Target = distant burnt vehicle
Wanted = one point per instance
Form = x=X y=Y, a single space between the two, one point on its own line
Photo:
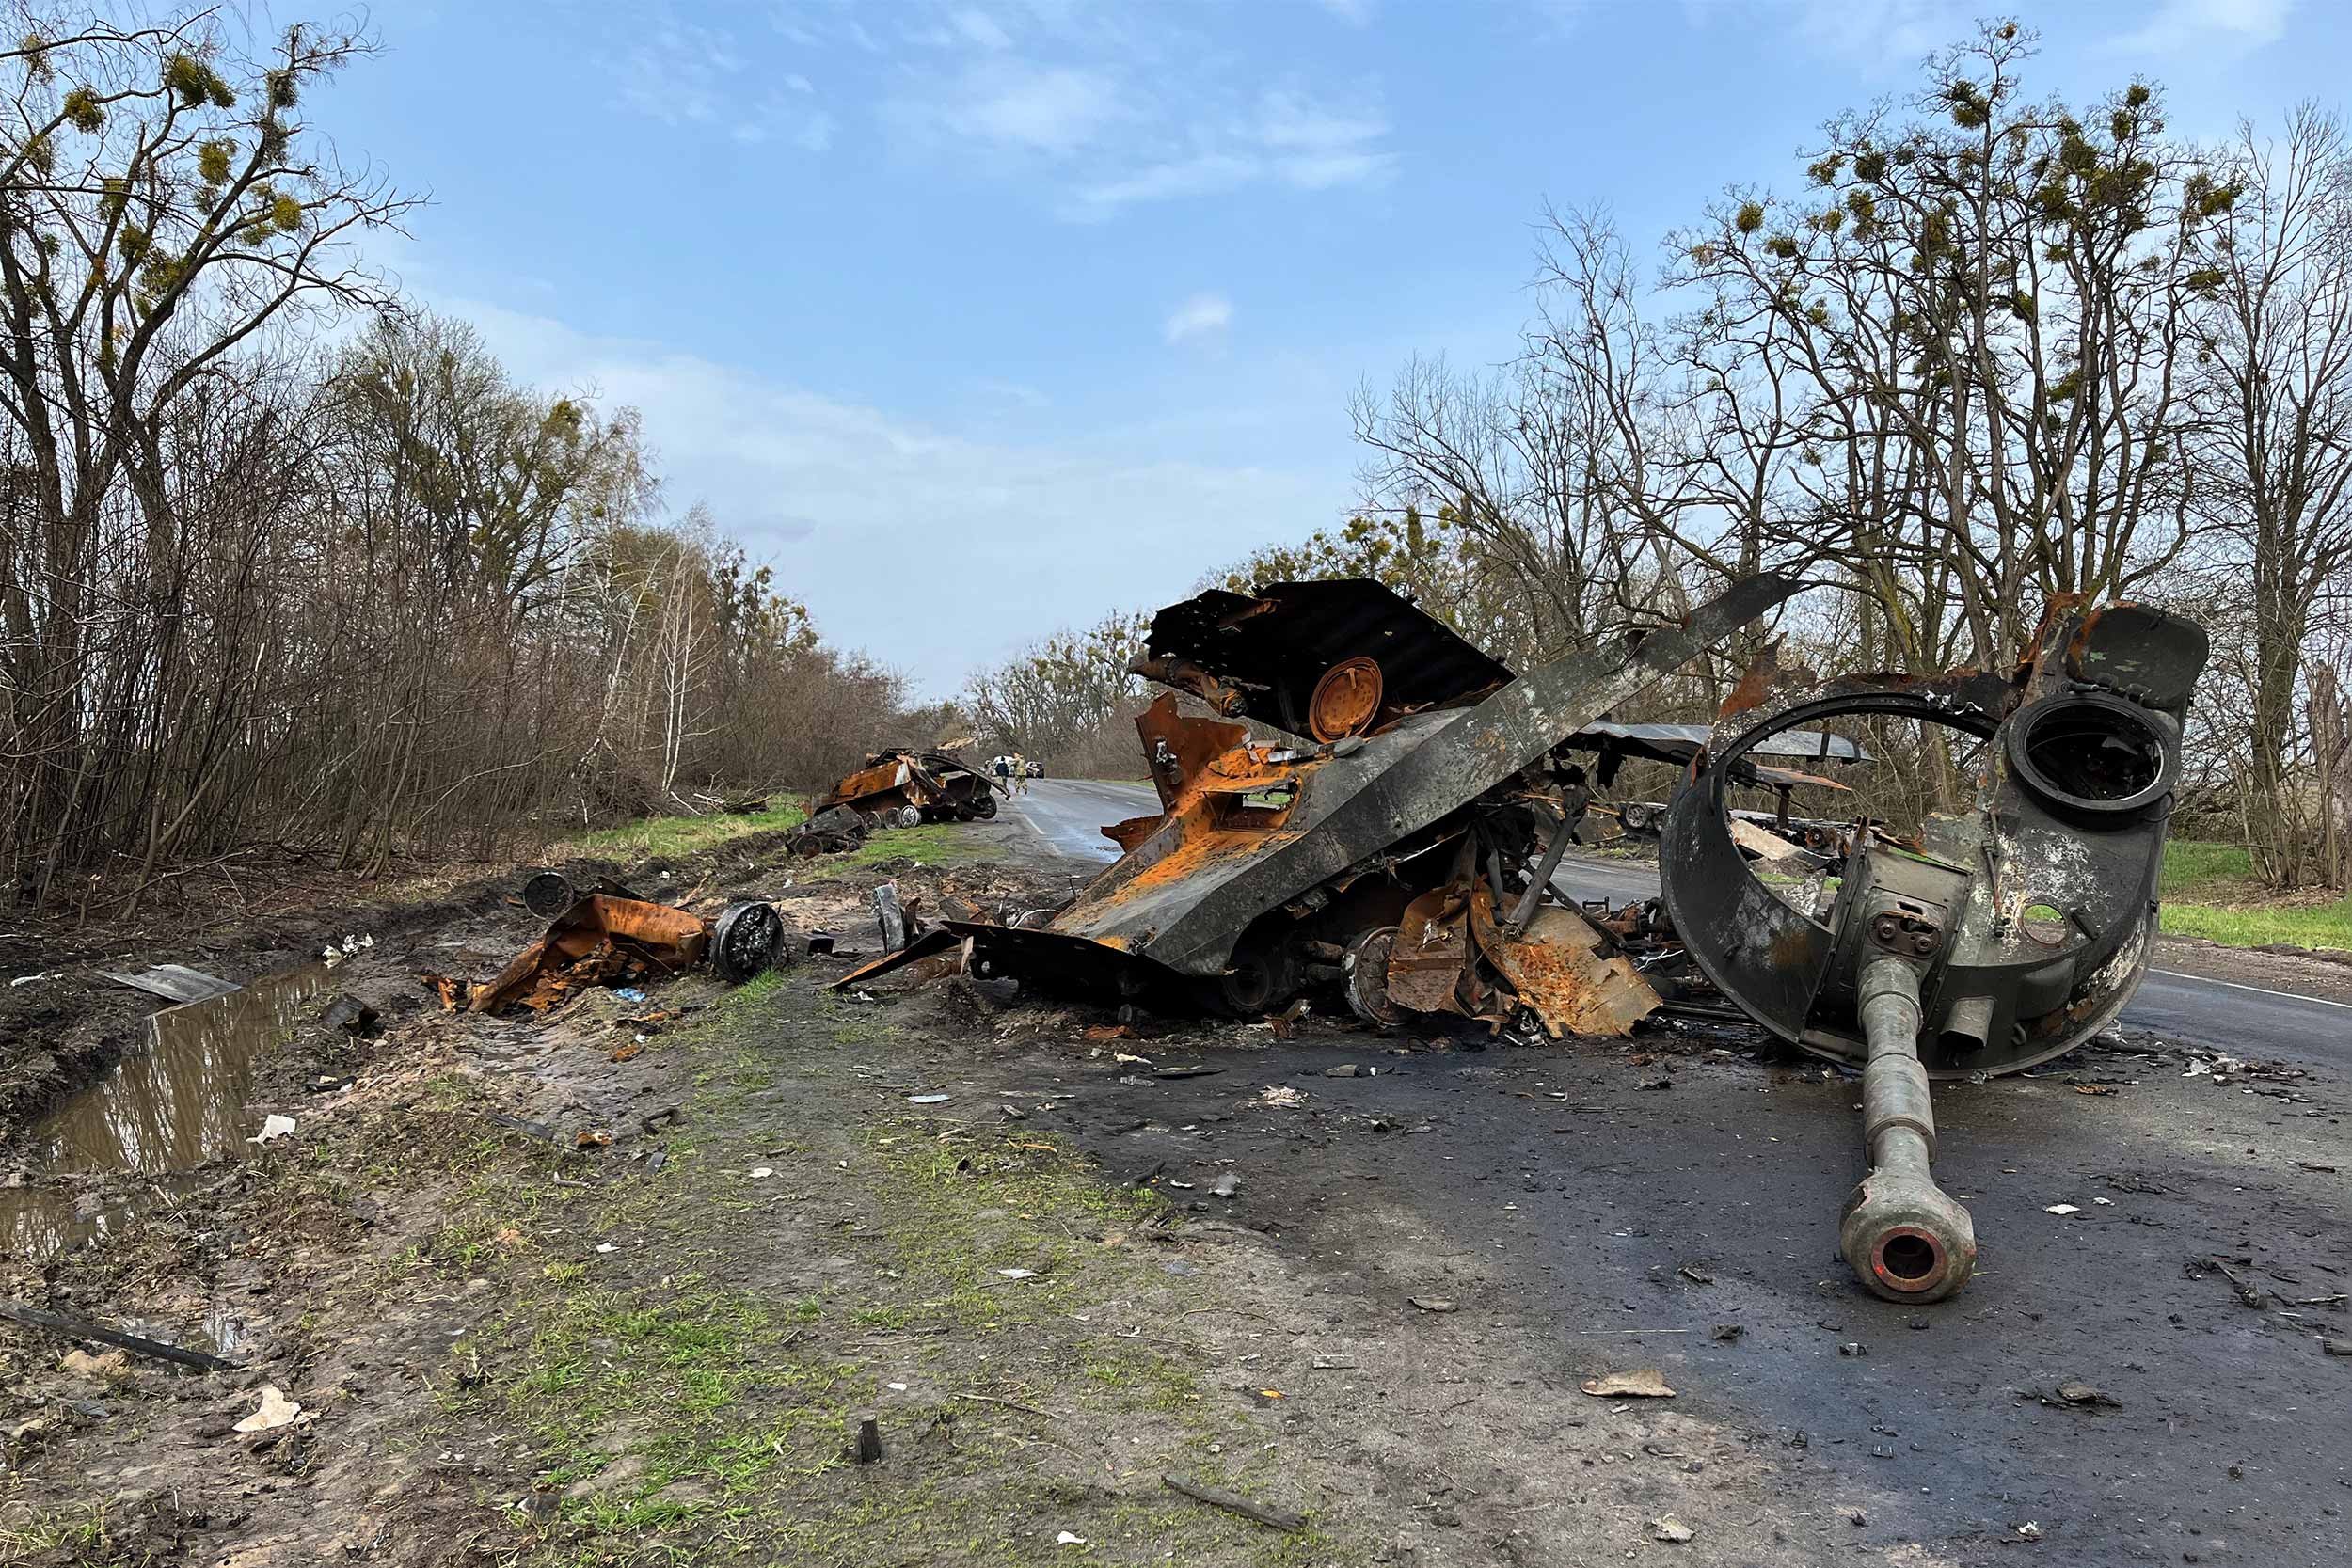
x=907 y=787
x=1403 y=857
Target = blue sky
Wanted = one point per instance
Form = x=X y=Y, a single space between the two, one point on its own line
x=982 y=317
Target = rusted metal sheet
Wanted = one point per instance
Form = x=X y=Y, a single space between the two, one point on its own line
x=1558 y=968
x=599 y=939
x=1432 y=950
x=607 y=939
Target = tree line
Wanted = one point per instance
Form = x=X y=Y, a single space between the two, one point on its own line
x=289 y=564
x=1983 y=350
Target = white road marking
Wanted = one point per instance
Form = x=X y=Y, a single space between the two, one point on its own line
x=1030 y=822
x=2258 y=990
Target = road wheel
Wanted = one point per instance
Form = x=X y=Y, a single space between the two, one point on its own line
x=985 y=807
x=745 y=939
x=1367 y=984
x=1261 y=978
x=908 y=817
x=547 y=894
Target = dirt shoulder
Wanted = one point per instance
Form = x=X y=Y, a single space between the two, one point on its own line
x=2295 y=973
x=617 y=1285
x=620 y=1286
x=511 y=1339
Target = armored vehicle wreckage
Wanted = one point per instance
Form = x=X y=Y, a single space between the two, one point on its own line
x=905 y=787
x=1398 y=847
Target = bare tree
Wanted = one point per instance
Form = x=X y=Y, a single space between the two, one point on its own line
x=2276 y=350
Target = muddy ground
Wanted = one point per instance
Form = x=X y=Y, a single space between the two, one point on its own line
x=508 y=1347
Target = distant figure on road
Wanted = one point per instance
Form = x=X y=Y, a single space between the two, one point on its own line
x=1020 y=775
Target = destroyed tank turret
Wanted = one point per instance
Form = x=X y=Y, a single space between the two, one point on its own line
x=1395 y=840
x=1997 y=939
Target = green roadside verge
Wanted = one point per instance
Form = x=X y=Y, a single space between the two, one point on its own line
x=2209 y=890
x=680 y=1356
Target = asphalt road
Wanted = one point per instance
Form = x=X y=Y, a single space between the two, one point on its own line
x=1583 y=1223
x=1068 y=815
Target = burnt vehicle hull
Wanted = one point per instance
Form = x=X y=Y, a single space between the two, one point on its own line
x=1404 y=842
x=1403 y=860
x=908 y=788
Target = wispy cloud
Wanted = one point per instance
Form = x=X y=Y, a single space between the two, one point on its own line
x=1287 y=139
x=1006 y=103
x=682 y=75
x=1199 y=316
x=1884 y=36
x=677 y=72
x=862 y=481
x=1355 y=12
x=1108 y=108
x=2180 y=24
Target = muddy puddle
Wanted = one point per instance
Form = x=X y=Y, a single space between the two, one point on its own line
x=162 y=1112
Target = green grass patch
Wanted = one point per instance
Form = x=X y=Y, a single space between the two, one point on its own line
x=2209 y=890
x=933 y=843
x=2305 y=926
x=689 y=1399
x=658 y=836
x=2195 y=870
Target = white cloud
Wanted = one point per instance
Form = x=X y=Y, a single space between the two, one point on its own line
x=2183 y=24
x=1877 y=35
x=1287 y=138
x=1111 y=107
x=1011 y=537
x=1008 y=104
x=685 y=75
x=1199 y=315
x=677 y=72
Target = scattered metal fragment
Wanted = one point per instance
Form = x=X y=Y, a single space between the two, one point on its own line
x=827 y=833
x=548 y=894
x=172 y=982
x=2083 y=1396
x=610 y=938
x=1644 y=1383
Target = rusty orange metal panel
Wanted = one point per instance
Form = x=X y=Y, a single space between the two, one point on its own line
x=1556 y=968
x=1181 y=748
x=584 y=946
